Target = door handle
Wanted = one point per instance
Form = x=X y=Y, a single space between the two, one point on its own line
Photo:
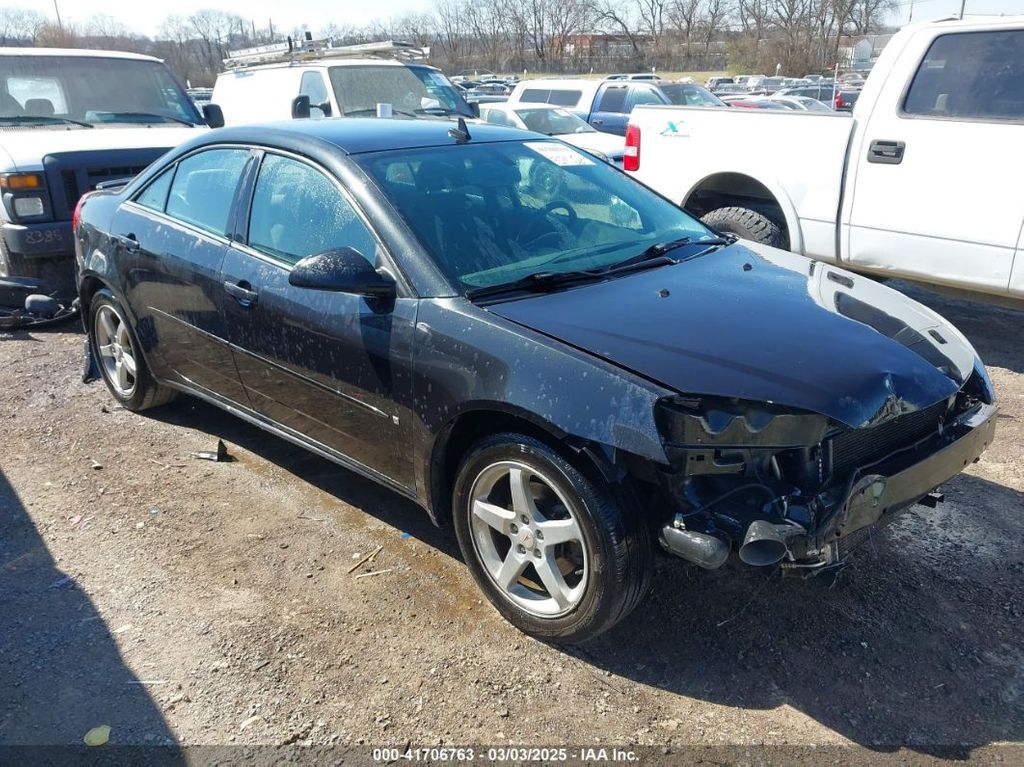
x=130 y=242
x=241 y=292
x=597 y=122
x=886 y=152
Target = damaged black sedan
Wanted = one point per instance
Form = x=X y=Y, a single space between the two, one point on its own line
x=537 y=349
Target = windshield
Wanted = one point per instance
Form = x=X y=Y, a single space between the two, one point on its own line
x=493 y=213
x=553 y=122
x=690 y=96
x=93 y=90
x=409 y=89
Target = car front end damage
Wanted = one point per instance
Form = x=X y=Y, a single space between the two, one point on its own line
x=779 y=486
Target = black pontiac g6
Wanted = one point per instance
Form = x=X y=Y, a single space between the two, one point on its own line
x=537 y=349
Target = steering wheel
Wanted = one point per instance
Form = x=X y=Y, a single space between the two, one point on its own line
x=563 y=205
x=555 y=236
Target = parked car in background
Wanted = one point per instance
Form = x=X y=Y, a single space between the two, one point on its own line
x=892 y=192
x=73 y=119
x=278 y=83
x=753 y=102
x=559 y=373
x=800 y=103
x=765 y=86
x=635 y=76
x=558 y=122
x=813 y=78
x=713 y=83
x=846 y=99
x=823 y=91
x=606 y=104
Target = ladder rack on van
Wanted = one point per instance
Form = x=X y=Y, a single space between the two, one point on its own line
x=306 y=50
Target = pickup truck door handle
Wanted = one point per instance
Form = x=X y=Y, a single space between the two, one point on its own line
x=886 y=152
x=597 y=122
x=241 y=292
x=130 y=242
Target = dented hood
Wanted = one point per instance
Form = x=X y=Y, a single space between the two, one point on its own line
x=760 y=324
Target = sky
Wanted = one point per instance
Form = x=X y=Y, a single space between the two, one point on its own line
x=145 y=15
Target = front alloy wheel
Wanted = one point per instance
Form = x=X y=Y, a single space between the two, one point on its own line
x=116 y=354
x=561 y=554
x=528 y=539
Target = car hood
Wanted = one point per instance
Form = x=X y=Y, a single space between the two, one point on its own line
x=760 y=324
x=26 y=146
x=605 y=143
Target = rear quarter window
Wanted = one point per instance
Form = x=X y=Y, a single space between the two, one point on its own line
x=970 y=76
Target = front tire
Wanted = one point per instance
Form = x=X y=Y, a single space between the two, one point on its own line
x=748 y=224
x=557 y=552
x=119 y=356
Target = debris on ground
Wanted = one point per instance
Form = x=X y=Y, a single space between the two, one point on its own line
x=97 y=736
x=374 y=572
x=368 y=558
x=220 y=456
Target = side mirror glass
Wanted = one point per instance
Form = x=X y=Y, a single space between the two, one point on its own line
x=213 y=115
x=344 y=270
x=300 y=107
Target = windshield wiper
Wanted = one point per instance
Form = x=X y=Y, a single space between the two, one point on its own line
x=373 y=111
x=152 y=114
x=537 y=282
x=45 y=120
x=660 y=249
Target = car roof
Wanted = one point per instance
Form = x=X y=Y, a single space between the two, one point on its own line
x=81 y=52
x=358 y=135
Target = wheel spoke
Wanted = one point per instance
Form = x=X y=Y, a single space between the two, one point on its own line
x=510 y=570
x=122 y=335
x=553 y=580
x=108 y=326
x=129 y=363
x=495 y=516
x=122 y=376
x=522 y=495
x=559 y=531
x=107 y=350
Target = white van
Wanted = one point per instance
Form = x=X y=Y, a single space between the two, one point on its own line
x=278 y=82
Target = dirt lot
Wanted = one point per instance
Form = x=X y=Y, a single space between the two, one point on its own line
x=181 y=601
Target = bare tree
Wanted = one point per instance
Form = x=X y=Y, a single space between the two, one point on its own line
x=19 y=25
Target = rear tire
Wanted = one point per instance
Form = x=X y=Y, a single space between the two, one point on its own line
x=119 y=356
x=747 y=224
x=564 y=561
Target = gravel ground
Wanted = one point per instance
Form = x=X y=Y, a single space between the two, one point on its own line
x=186 y=602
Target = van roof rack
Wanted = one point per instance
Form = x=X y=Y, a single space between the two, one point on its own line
x=309 y=49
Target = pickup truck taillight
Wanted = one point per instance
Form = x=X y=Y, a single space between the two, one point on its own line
x=631 y=157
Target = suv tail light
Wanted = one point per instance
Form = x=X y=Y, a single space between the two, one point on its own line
x=631 y=157
x=839 y=100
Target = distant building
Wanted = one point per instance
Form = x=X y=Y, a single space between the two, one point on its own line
x=598 y=44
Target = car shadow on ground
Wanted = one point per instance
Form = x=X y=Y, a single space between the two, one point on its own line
x=62 y=673
x=916 y=642
x=347 y=486
x=907 y=644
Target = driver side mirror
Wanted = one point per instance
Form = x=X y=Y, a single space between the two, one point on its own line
x=213 y=115
x=344 y=270
x=300 y=107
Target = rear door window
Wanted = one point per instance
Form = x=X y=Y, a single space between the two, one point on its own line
x=564 y=98
x=970 y=76
x=204 y=188
x=297 y=211
x=613 y=99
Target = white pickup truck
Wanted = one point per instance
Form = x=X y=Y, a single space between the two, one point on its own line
x=69 y=120
x=923 y=183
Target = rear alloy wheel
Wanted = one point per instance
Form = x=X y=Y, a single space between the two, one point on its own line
x=551 y=548
x=117 y=353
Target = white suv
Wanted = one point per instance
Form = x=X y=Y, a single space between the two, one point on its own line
x=72 y=119
x=278 y=82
